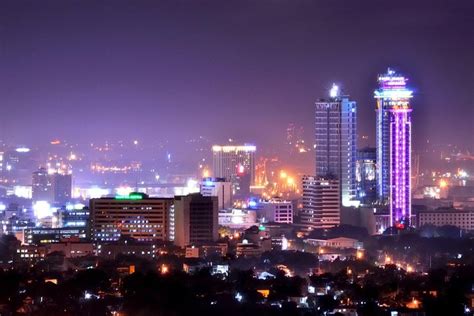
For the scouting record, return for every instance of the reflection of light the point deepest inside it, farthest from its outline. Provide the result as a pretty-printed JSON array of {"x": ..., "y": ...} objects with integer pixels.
[{"x": 42, "y": 209}]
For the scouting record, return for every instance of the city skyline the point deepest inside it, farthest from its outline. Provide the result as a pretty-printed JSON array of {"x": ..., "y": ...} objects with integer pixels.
[{"x": 156, "y": 78}]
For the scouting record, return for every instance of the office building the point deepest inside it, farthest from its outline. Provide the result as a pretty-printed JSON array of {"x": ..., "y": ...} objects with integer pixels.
[
  {"x": 195, "y": 219},
  {"x": 321, "y": 203},
  {"x": 237, "y": 165},
  {"x": 365, "y": 176},
  {"x": 336, "y": 142},
  {"x": 42, "y": 186},
  {"x": 393, "y": 141},
  {"x": 135, "y": 215},
  {"x": 220, "y": 188},
  {"x": 276, "y": 210}
]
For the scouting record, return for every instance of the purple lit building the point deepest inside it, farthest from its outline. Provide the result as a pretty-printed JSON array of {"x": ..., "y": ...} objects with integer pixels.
[{"x": 393, "y": 141}]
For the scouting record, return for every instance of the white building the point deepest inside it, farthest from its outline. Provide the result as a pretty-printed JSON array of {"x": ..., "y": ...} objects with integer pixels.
[
  {"x": 276, "y": 210},
  {"x": 218, "y": 187}
]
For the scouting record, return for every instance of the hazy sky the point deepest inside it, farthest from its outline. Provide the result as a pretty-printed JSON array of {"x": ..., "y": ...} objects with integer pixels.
[{"x": 93, "y": 70}]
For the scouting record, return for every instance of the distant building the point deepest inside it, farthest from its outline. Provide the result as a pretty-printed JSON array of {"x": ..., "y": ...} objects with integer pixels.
[
  {"x": 136, "y": 215},
  {"x": 237, "y": 218},
  {"x": 321, "y": 203},
  {"x": 42, "y": 186},
  {"x": 336, "y": 142},
  {"x": 393, "y": 142},
  {"x": 195, "y": 219},
  {"x": 237, "y": 165},
  {"x": 365, "y": 176},
  {"x": 218, "y": 187},
  {"x": 276, "y": 210},
  {"x": 463, "y": 219},
  {"x": 62, "y": 188},
  {"x": 37, "y": 236},
  {"x": 338, "y": 243}
]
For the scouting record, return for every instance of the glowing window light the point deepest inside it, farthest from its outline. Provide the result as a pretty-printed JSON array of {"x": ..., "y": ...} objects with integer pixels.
[
  {"x": 22, "y": 150},
  {"x": 42, "y": 209}
]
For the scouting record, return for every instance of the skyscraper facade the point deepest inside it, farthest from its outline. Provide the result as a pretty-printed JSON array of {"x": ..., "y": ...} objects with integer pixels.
[
  {"x": 236, "y": 164},
  {"x": 336, "y": 142},
  {"x": 135, "y": 215},
  {"x": 393, "y": 141},
  {"x": 365, "y": 175},
  {"x": 195, "y": 219},
  {"x": 42, "y": 186},
  {"x": 321, "y": 203},
  {"x": 62, "y": 187}
]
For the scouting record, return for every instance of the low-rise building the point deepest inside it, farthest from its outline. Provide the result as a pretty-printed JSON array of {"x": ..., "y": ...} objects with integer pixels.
[{"x": 464, "y": 219}]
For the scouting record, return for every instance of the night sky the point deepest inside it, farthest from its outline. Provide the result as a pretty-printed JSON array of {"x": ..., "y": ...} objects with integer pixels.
[{"x": 96, "y": 70}]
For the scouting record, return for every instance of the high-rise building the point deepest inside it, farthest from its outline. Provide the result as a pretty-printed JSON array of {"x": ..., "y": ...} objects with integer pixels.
[
  {"x": 195, "y": 219},
  {"x": 237, "y": 165},
  {"x": 42, "y": 186},
  {"x": 393, "y": 140},
  {"x": 135, "y": 215},
  {"x": 365, "y": 176},
  {"x": 62, "y": 187},
  {"x": 336, "y": 142},
  {"x": 321, "y": 203},
  {"x": 218, "y": 187}
]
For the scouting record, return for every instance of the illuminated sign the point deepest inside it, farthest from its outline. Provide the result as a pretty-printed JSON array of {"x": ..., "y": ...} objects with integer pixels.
[
  {"x": 247, "y": 148},
  {"x": 131, "y": 196}
]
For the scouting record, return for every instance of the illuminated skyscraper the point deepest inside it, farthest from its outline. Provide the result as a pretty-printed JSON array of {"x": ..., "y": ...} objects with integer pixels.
[
  {"x": 393, "y": 140},
  {"x": 336, "y": 142},
  {"x": 237, "y": 165}
]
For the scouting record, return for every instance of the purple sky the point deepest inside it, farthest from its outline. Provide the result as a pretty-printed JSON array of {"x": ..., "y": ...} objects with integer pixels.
[{"x": 96, "y": 70}]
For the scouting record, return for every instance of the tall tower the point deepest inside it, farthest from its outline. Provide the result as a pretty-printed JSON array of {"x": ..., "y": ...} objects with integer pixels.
[
  {"x": 393, "y": 141},
  {"x": 336, "y": 142},
  {"x": 237, "y": 165}
]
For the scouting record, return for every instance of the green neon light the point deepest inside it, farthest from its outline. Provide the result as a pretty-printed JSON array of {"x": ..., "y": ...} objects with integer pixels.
[{"x": 129, "y": 197}]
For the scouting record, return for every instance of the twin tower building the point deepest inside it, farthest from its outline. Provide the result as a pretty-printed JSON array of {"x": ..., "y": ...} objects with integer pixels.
[{"x": 334, "y": 184}]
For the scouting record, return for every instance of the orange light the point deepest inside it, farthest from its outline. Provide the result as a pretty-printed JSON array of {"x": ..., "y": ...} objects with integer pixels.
[
  {"x": 164, "y": 269},
  {"x": 443, "y": 183}
]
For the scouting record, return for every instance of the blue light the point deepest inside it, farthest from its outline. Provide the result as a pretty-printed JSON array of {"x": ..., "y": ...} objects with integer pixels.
[{"x": 252, "y": 203}]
